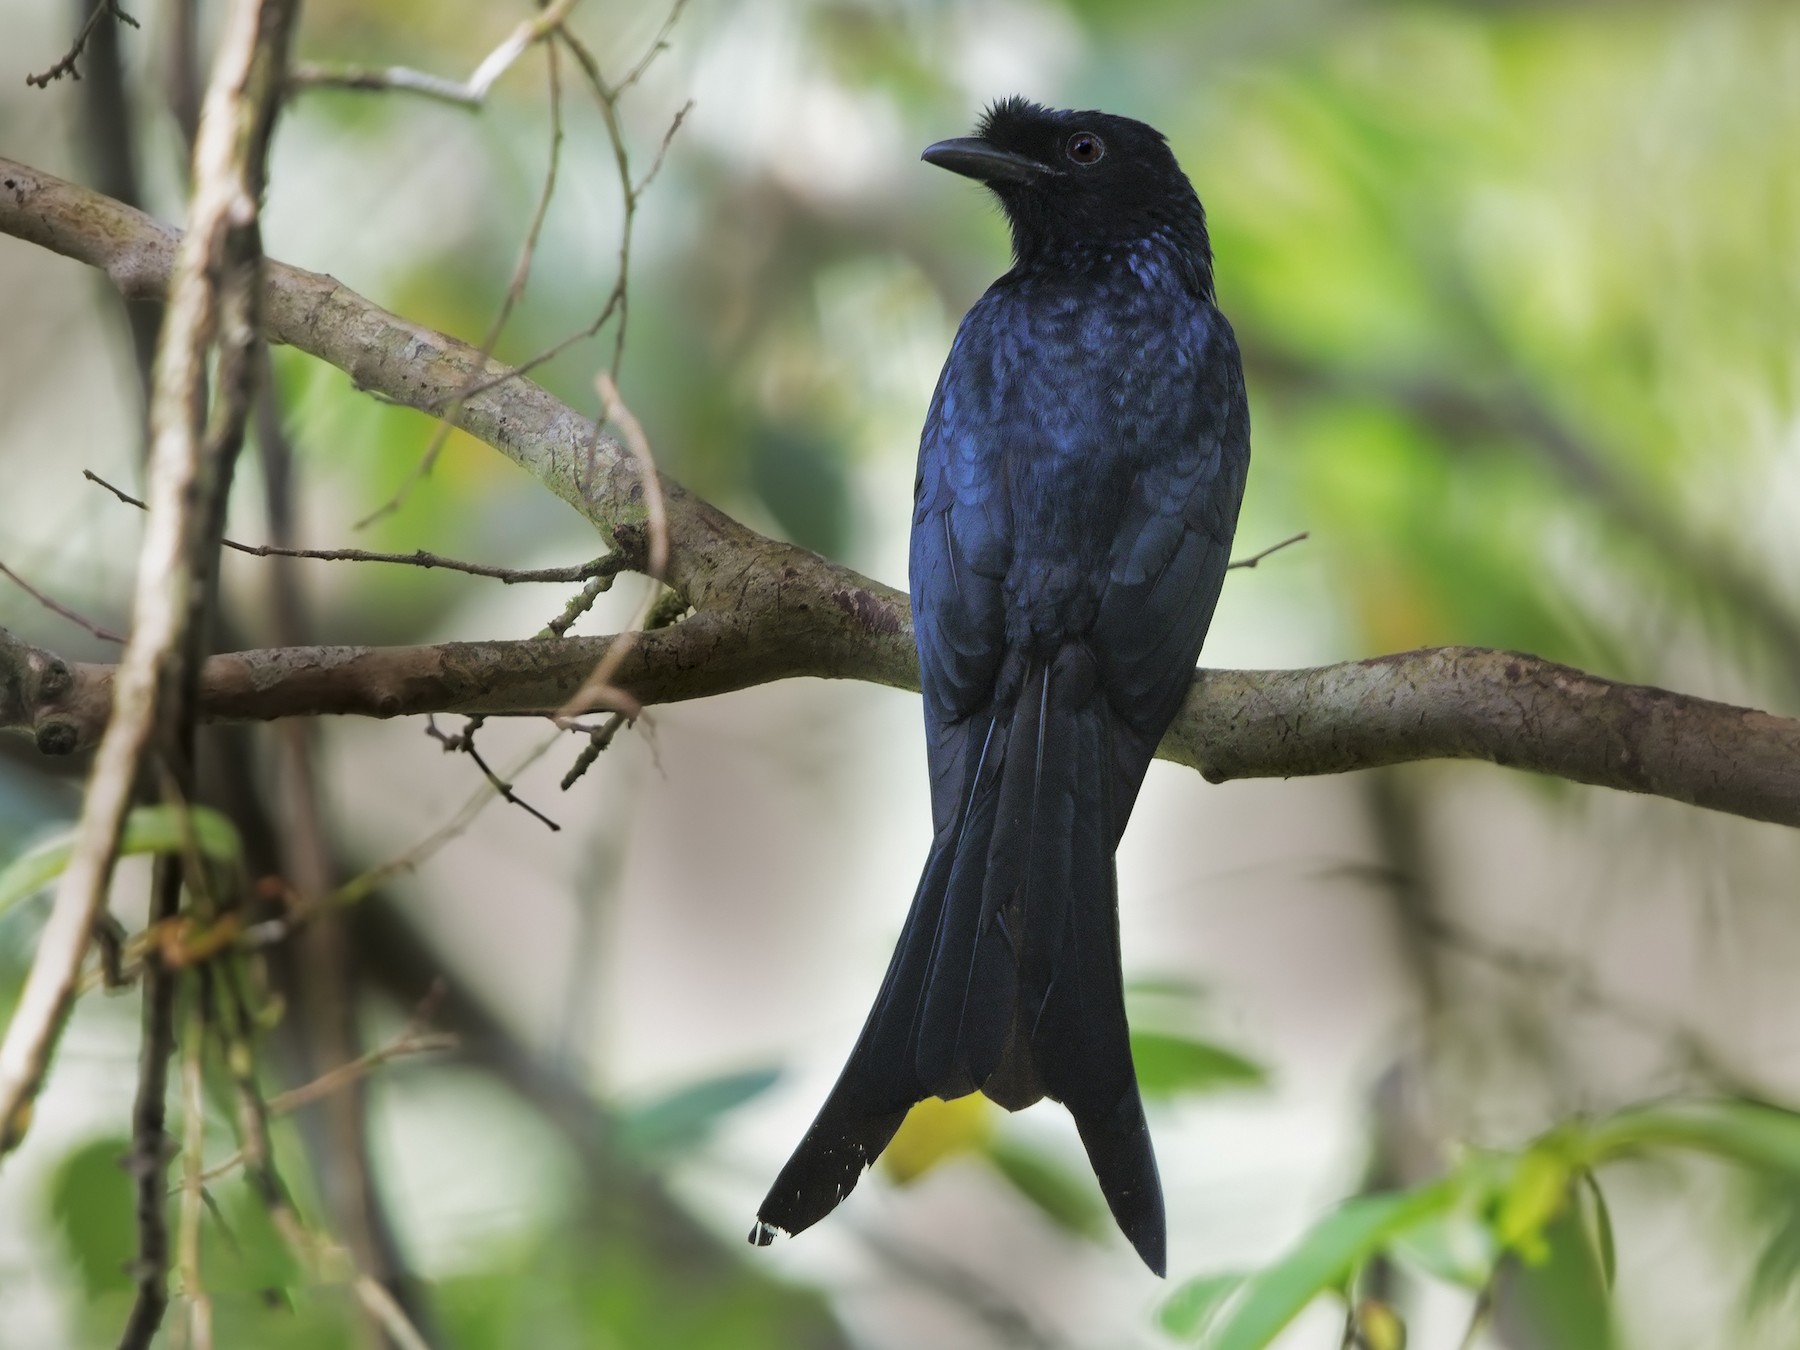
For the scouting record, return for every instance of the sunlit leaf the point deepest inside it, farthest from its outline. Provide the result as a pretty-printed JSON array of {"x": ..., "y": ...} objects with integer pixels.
[
  {"x": 1536, "y": 1194},
  {"x": 935, "y": 1130},
  {"x": 1168, "y": 1065},
  {"x": 682, "y": 1120}
]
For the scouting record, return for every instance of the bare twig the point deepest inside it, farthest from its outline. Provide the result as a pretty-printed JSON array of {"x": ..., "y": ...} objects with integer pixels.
[
  {"x": 469, "y": 93},
  {"x": 580, "y": 603},
  {"x": 360, "y": 887},
  {"x": 515, "y": 289},
  {"x": 193, "y": 1144},
  {"x": 415, "y": 1038},
  {"x": 217, "y": 313},
  {"x": 599, "y": 738},
  {"x": 395, "y": 79},
  {"x": 616, "y": 298},
  {"x": 598, "y": 690},
  {"x": 110, "y": 128},
  {"x": 1255, "y": 558},
  {"x": 105, "y": 9},
  {"x": 662, "y": 149},
  {"x": 599, "y": 568},
  {"x": 464, "y": 743},
  {"x": 104, "y": 634},
  {"x": 165, "y": 573},
  {"x": 316, "y": 1256},
  {"x": 658, "y": 45},
  {"x": 317, "y": 977},
  {"x": 411, "y": 1042}
]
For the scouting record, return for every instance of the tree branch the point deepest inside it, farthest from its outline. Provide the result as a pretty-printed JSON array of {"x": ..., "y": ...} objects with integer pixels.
[
  {"x": 1438, "y": 703},
  {"x": 767, "y": 610}
]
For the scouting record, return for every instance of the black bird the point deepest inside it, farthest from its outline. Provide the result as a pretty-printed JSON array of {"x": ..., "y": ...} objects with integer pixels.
[{"x": 1079, "y": 479}]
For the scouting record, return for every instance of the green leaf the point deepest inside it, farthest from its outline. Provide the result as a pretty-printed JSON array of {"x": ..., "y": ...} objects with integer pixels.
[
  {"x": 1172, "y": 986},
  {"x": 680, "y": 1121},
  {"x": 1457, "y": 1247},
  {"x": 1193, "y": 1308},
  {"x": 1068, "y": 1199},
  {"x": 1324, "y": 1260},
  {"x": 1746, "y": 1132},
  {"x": 1601, "y": 1216},
  {"x": 1563, "y": 1297},
  {"x": 1168, "y": 1065},
  {"x": 1536, "y": 1195},
  {"x": 91, "y": 1205},
  {"x": 148, "y": 829}
]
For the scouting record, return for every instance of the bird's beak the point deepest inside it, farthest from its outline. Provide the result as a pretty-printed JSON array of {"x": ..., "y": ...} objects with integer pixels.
[{"x": 973, "y": 157}]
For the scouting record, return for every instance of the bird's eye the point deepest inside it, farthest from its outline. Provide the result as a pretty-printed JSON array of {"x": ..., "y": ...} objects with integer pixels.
[{"x": 1086, "y": 148}]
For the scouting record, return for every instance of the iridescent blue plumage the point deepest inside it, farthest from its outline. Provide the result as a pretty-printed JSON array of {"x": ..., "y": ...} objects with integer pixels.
[{"x": 1079, "y": 478}]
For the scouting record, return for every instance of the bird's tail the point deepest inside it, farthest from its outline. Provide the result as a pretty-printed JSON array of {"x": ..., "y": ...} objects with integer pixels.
[{"x": 1006, "y": 977}]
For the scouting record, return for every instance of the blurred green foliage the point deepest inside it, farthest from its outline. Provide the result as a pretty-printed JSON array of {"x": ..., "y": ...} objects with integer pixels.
[
  {"x": 1537, "y": 1221},
  {"x": 1517, "y": 287}
]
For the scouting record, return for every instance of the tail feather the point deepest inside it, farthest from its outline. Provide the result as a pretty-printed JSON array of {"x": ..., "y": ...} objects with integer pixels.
[{"x": 1006, "y": 978}]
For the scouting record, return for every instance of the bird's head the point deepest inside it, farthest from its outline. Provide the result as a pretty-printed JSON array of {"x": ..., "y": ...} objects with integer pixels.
[{"x": 1077, "y": 183}]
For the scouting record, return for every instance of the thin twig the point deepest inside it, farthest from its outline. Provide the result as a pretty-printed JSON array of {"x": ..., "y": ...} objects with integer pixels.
[
  {"x": 221, "y": 225},
  {"x": 193, "y": 1144},
  {"x": 315, "y": 1255},
  {"x": 415, "y": 1038},
  {"x": 104, "y": 634},
  {"x": 658, "y": 45},
  {"x": 599, "y": 738},
  {"x": 662, "y": 150},
  {"x": 105, "y": 9},
  {"x": 361, "y": 886},
  {"x": 511, "y": 576},
  {"x": 464, "y": 743},
  {"x": 598, "y": 690},
  {"x": 470, "y": 93},
  {"x": 210, "y": 335},
  {"x": 515, "y": 289},
  {"x": 630, "y": 192},
  {"x": 580, "y": 603},
  {"x": 385, "y": 79},
  {"x": 1255, "y": 558},
  {"x": 388, "y": 1314}
]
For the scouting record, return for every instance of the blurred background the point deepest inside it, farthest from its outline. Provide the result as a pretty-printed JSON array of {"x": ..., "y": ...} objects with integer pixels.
[{"x": 1518, "y": 286}]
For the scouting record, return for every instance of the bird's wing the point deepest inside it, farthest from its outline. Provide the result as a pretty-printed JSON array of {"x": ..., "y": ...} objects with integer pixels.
[
  {"x": 961, "y": 547},
  {"x": 1168, "y": 563}
]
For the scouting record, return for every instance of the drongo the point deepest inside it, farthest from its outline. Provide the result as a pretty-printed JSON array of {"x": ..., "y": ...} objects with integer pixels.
[{"x": 1079, "y": 478}]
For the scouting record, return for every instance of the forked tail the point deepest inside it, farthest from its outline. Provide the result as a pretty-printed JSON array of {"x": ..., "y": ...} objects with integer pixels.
[{"x": 1006, "y": 977}]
